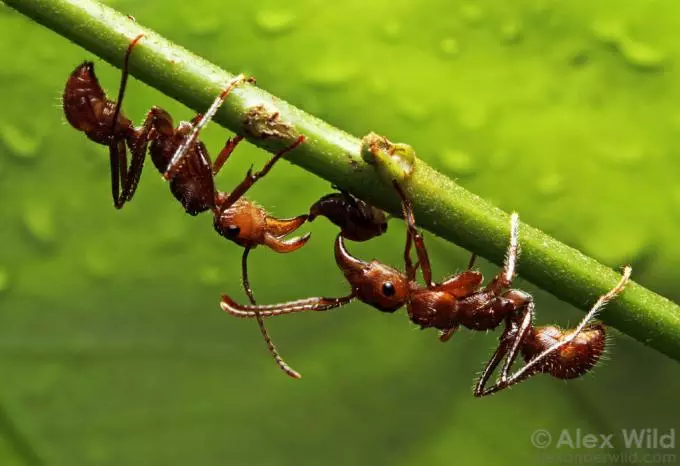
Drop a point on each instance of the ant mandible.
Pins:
(184, 162)
(459, 300)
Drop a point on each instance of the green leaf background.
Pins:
(113, 350)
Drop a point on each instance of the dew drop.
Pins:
(330, 75)
(623, 157)
(641, 56)
(472, 13)
(550, 186)
(20, 144)
(511, 33)
(609, 32)
(637, 54)
(458, 162)
(97, 264)
(676, 201)
(413, 111)
(612, 247)
(500, 160)
(275, 22)
(473, 118)
(391, 30)
(39, 223)
(209, 275)
(205, 25)
(449, 47)
(4, 280)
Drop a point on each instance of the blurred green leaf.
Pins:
(112, 347)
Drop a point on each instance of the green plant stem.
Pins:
(441, 206)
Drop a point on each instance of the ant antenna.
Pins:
(209, 114)
(260, 321)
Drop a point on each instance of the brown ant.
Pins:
(460, 300)
(357, 219)
(184, 161)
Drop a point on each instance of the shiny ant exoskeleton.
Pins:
(357, 219)
(461, 301)
(184, 162)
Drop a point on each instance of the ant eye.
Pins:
(233, 230)
(388, 289)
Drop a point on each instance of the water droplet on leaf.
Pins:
(39, 223)
(20, 144)
(511, 33)
(4, 280)
(97, 264)
(330, 75)
(641, 56)
(275, 22)
(458, 162)
(210, 275)
(449, 47)
(413, 111)
(550, 186)
(391, 30)
(472, 13)
(203, 25)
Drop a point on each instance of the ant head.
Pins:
(243, 222)
(373, 283)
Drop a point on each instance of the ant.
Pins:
(184, 162)
(461, 300)
(358, 220)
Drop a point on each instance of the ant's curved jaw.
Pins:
(283, 246)
(283, 226)
(348, 263)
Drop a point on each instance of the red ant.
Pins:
(184, 161)
(358, 220)
(460, 300)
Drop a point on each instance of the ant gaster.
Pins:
(357, 219)
(460, 300)
(184, 161)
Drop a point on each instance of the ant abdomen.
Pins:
(571, 360)
(358, 220)
(88, 110)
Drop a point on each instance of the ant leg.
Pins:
(260, 321)
(417, 238)
(224, 154)
(510, 354)
(601, 302)
(408, 263)
(230, 306)
(251, 177)
(118, 160)
(156, 119)
(529, 368)
(202, 122)
(445, 335)
(491, 366)
(473, 259)
(117, 152)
